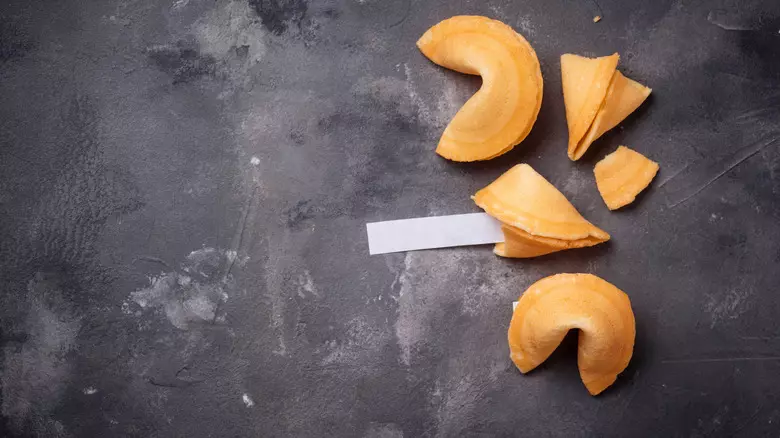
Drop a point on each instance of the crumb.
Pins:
(597, 18)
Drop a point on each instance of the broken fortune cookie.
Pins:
(556, 304)
(597, 98)
(537, 218)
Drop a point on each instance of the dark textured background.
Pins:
(184, 186)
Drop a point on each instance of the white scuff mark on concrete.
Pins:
(183, 300)
(248, 402)
(231, 26)
(89, 390)
(178, 4)
(525, 26)
(396, 264)
(204, 261)
(278, 303)
(730, 306)
(192, 295)
(424, 112)
(277, 323)
(231, 255)
(306, 285)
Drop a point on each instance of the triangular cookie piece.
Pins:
(524, 199)
(623, 98)
(585, 84)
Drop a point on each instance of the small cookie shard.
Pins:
(524, 199)
(501, 114)
(622, 97)
(622, 175)
(585, 84)
(556, 304)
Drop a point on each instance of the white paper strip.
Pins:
(514, 305)
(433, 232)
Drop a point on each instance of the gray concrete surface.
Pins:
(184, 186)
